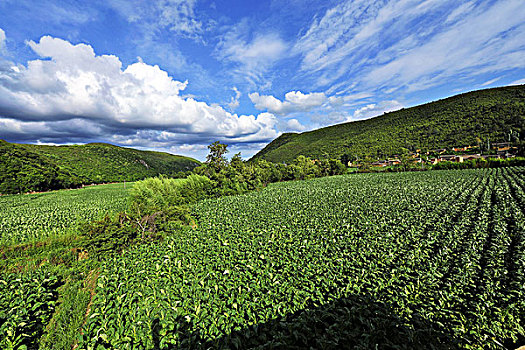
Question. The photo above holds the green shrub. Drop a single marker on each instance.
(165, 197)
(108, 236)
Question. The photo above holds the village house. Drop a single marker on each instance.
(501, 146)
(460, 149)
(450, 158)
(471, 156)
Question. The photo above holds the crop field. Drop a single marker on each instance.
(396, 260)
(416, 260)
(31, 217)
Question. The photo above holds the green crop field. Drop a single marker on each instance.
(418, 259)
(31, 217)
(394, 260)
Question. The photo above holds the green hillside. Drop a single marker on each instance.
(456, 121)
(25, 168)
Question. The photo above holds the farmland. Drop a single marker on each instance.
(407, 260)
(31, 217)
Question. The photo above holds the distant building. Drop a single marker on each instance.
(451, 158)
(471, 156)
(460, 149)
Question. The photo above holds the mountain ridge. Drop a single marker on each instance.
(453, 121)
(29, 167)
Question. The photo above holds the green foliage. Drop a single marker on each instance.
(238, 176)
(394, 260)
(27, 303)
(63, 328)
(481, 163)
(461, 120)
(25, 168)
(108, 236)
(167, 199)
(216, 156)
(27, 218)
(22, 170)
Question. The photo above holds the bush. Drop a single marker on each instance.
(168, 197)
(107, 236)
(480, 163)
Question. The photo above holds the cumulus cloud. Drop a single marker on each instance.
(294, 101)
(72, 85)
(373, 109)
(330, 108)
(294, 125)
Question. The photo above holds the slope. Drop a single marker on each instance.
(26, 167)
(464, 119)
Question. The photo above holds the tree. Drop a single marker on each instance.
(345, 159)
(237, 161)
(405, 159)
(216, 157)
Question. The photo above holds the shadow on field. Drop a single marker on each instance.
(350, 323)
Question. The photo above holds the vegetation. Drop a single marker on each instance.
(25, 168)
(238, 176)
(35, 217)
(481, 163)
(401, 260)
(407, 260)
(27, 303)
(468, 119)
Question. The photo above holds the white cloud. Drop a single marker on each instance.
(460, 12)
(252, 56)
(473, 45)
(234, 101)
(2, 40)
(348, 27)
(518, 82)
(294, 125)
(76, 84)
(491, 81)
(372, 110)
(412, 45)
(178, 16)
(294, 101)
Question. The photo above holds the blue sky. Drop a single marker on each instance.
(176, 75)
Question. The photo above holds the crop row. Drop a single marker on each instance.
(419, 259)
(32, 217)
(27, 302)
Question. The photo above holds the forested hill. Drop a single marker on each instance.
(25, 168)
(455, 121)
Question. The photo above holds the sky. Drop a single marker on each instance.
(177, 75)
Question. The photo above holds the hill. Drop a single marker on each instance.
(455, 121)
(25, 168)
